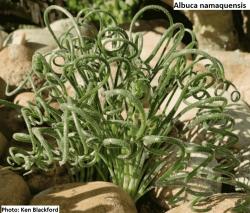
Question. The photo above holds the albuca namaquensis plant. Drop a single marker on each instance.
(118, 125)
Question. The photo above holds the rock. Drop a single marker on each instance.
(15, 63)
(42, 40)
(55, 105)
(211, 30)
(150, 40)
(24, 98)
(240, 112)
(3, 36)
(196, 184)
(242, 171)
(11, 121)
(217, 203)
(3, 145)
(19, 38)
(36, 39)
(15, 59)
(157, 26)
(70, 89)
(152, 31)
(94, 197)
(62, 25)
(236, 66)
(187, 116)
(13, 189)
(237, 69)
(39, 181)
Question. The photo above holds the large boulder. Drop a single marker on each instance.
(93, 197)
(15, 63)
(13, 189)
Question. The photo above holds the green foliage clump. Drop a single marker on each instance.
(123, 10)
(118, 125)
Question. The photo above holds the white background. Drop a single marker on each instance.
(198, 2)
